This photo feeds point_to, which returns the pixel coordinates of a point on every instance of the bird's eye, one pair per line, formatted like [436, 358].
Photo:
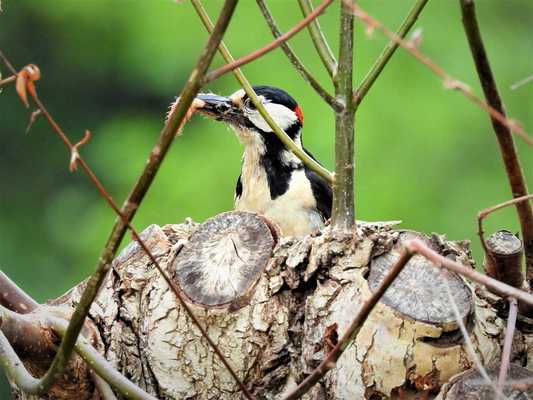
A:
[248, 104]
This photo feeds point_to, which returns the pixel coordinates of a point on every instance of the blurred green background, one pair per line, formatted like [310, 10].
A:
[424, 155]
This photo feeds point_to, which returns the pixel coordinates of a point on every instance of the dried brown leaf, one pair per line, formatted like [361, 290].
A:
[331, 337]
[25, 78]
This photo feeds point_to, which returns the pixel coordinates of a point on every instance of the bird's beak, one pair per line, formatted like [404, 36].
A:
[218, 107]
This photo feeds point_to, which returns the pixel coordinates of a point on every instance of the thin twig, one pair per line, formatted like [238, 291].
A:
[507, 344]
[280, 133]
[74, 153]
[448, 81]
[13, 297]
[106, 393]
[33, 118]
[496, 286]
[505, 139]
[9, 79]
[319, 40]
[329, 362]
[295, 60]
[343, 210]
[468, 343]
[387, 52]
[484, 213]
[269, 47]
[189, 92]
[521, 82]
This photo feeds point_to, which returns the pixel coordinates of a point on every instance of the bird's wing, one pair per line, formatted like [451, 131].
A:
[321, 190]
[238, 188]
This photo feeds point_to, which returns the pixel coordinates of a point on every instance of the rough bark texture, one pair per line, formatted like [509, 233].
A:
[470, 385]
[504, 258]
[37, 352]
[293, 312]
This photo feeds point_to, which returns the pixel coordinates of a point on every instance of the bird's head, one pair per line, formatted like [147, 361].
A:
[240, 113]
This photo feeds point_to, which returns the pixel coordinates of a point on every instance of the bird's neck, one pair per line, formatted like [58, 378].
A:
[267, 168]
[270, 153]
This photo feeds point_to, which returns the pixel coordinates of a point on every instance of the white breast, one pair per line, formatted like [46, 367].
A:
[294, 212]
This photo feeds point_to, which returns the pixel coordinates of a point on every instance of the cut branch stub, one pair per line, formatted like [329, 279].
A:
[470, 385]
[224, 258]
[504, 259]
[420, 290]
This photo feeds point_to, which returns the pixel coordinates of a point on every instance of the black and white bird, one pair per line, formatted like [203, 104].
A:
[273, 181]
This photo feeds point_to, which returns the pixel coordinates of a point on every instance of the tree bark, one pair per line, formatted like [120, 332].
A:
[287, 311]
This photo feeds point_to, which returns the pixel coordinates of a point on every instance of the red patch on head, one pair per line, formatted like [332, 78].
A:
[299, 113]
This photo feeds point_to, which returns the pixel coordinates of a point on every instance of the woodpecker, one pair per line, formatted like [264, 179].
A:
[273, 181]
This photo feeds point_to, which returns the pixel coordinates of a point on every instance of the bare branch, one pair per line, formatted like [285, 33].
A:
[103, 387]
[521, 82]
[343, 211]
[508, 150]
[269, 47]
[9, 79]
[126, 213]
[13, 367]
[13, 297]
[448, 81]
[387, 52]
[484, 213]
[508, 344]
[487, 211]
[74, 153]
[319, 40]
[26, 335]
[280, 133]
[329, 362]
[296, 62]
[502, 289]
[38, 330]
[100, 365]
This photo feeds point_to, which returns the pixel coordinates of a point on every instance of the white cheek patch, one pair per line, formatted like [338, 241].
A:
[281, 114]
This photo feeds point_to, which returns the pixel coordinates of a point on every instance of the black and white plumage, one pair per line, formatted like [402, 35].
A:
[273, 181]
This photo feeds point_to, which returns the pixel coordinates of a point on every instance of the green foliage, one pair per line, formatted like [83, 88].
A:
[424, 155]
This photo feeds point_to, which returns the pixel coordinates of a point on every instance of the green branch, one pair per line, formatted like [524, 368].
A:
[280, 133]
[387, 52]
[101, 366]
[295, 60]
[343, 214]
[319, 40]
[34, 326]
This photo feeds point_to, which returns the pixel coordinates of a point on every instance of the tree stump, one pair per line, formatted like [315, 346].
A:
[276, 307]
[470, 385]
[505, 258]
[223, 259]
